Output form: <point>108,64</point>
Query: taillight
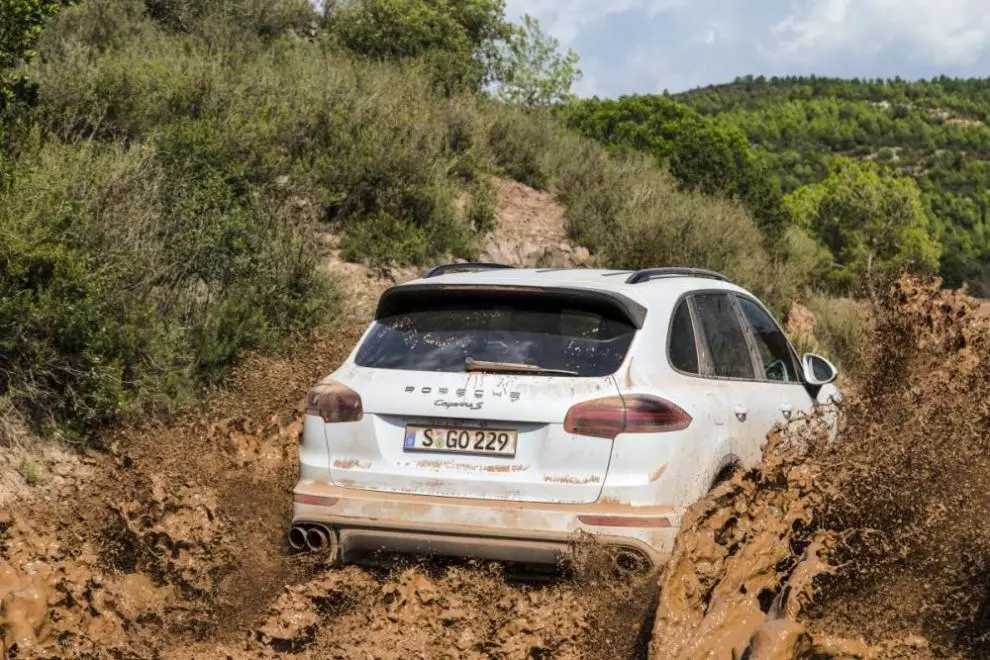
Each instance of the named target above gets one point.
<point>334,403</point>
<point>636,413</point>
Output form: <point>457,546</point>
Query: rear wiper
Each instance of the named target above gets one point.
<point>471,365</point>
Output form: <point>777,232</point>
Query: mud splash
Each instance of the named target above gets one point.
<point>874,545</point>
<point>174,547</point>
<point>23,609</point>
<point>745,560</point>
<point>871,545</point>
<point>913,481</point>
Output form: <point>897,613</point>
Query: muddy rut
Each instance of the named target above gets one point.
<point>873,543</point>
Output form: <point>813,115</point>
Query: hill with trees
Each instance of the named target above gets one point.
<point>935,132</point>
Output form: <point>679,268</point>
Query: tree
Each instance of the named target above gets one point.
<point>872,221</point>
<point>21,22</point>
<point>267,19</point>
<point>531,69</point>
<point>458,37</point>
<point>706,156</point>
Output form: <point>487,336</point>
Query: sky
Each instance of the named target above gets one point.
<point>646,46</point>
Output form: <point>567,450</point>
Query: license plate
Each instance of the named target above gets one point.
<point>480,442</point>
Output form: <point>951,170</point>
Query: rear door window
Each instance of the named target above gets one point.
<point>778,361</point>
<point>724,334</point>
<point>542,331</point>
<point>683,350</point>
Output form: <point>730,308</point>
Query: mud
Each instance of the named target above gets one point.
<point>170,543</point>
<point>913,481</point>
<point>872,545</point>
<point>173,546</point>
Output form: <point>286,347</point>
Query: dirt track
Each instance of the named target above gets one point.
<point>176,548</point>
<point>172,545</point>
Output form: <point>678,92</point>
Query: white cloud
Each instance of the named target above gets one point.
<point>565,19</point>
<point>943,33</point>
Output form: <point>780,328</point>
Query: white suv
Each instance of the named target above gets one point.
<point>495,412</point>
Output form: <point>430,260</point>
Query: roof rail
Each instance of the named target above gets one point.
<point>648,274</point>
<point>436,271</point>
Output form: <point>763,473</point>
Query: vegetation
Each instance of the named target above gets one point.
<point>165,163</point>
<point>466,45</point>
<point>935,132</point>
<point>531,70</point>
<point>872,223</point>
<point>703,155</point>
<point>19,31</point>
<point>165,180</point>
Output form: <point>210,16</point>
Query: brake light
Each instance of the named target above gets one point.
<point>637,413</point>
<point>334,403</point>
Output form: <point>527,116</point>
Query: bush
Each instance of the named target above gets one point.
<point>122,286</point>
<point>361,141</point>
<point>634,215</point>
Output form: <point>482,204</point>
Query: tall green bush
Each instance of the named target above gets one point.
<point>125,284</point>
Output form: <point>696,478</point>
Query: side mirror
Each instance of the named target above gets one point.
<point>817,370</point>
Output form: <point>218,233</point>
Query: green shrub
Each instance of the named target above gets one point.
<point>456,39</point>
<point>361,141</point>
<point>634,215</point>
<point>481,208</point>
<point>121,286</point>
<point>519,142</point>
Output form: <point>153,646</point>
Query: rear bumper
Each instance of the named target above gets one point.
<point>532,533</point>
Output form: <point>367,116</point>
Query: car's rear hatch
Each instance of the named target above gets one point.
<point>451,368</point>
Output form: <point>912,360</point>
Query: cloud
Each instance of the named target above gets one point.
<point>565,19</point>
<point>942,33</point>
<point>643,46</point>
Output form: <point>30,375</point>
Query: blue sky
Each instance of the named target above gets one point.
<point>644,46</point>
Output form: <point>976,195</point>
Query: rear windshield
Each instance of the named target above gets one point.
<point>544,331</point>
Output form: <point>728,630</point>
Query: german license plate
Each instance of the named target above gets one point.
<point>479,442</point>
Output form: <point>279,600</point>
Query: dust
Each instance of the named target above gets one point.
<point>871,543</point>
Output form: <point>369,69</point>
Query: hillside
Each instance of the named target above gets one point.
<point>200,202</point>
<point>934,131</point>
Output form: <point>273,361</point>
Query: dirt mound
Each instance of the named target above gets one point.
<point>529,232</point>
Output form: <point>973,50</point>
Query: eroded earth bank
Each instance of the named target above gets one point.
<point>168,540</point>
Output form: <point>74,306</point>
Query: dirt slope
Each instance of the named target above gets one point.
<point>529,232</point>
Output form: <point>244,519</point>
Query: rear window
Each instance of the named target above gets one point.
<point>541,331</point>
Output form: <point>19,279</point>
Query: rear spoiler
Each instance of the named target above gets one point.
<point>411,296</point>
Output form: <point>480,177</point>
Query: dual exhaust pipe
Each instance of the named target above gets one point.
<point>320,538</point>
<point>315,538</point>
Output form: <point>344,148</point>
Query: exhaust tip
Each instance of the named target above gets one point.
<point>632,561</point>
<point>297,537</point>
<point>317,538</point>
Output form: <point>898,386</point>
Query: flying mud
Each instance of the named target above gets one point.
<point>873,543</point>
